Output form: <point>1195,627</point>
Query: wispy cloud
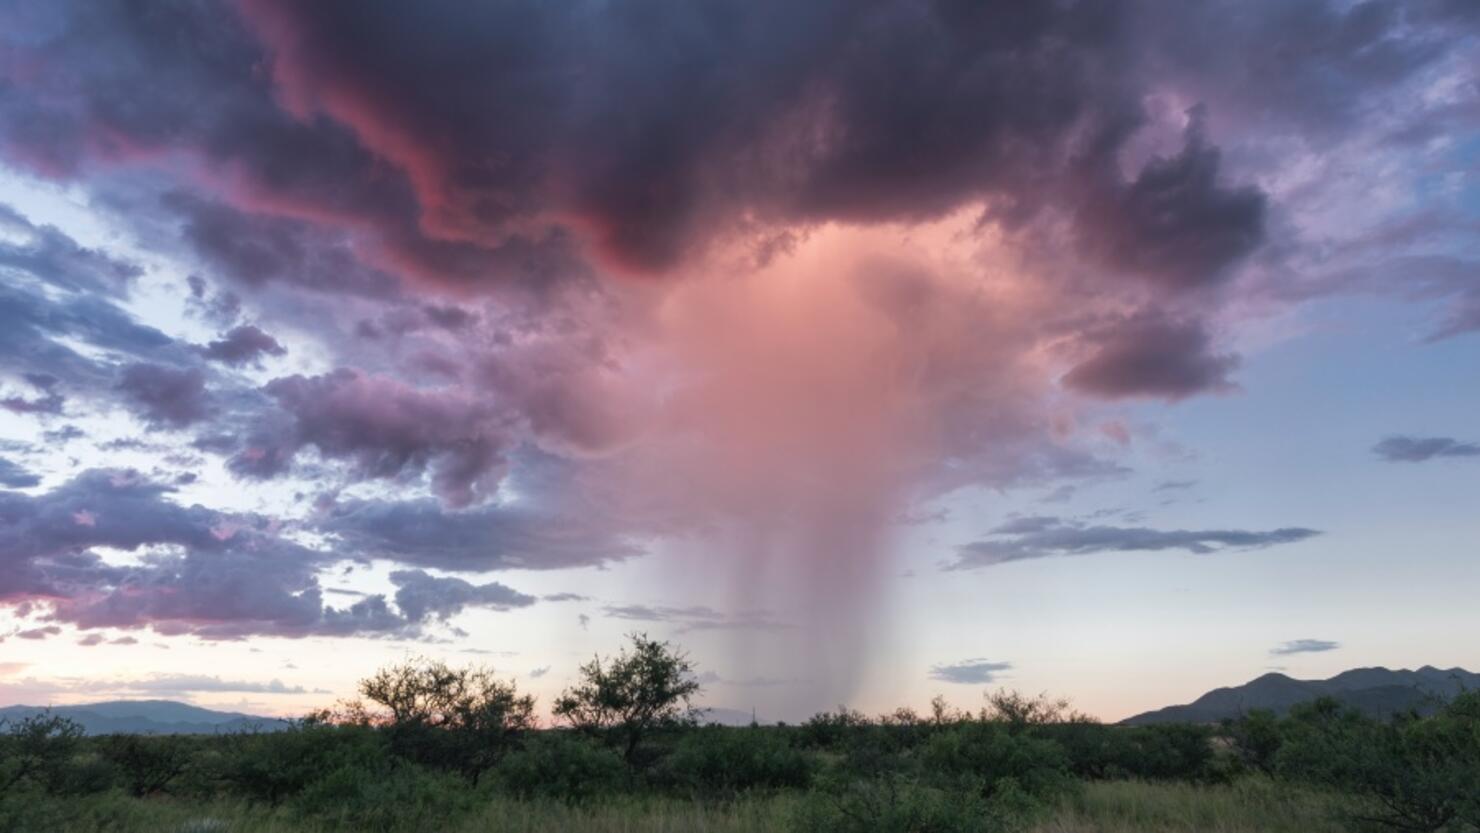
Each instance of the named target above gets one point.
<point>696,617</point>
<point>1043,537</point>
<point>1304,646</point>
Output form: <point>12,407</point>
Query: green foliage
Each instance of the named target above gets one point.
<point>145,764</point>
<point>37,751</point>
<point>558,765</point>
<point>1412,774</point>
<point>723,761</point>
<point>1256,739</point>
<point>995,757</point>
<point>827,729</point>
<point>383,796</point>
<point>649,685</point>
<point>271,767</point>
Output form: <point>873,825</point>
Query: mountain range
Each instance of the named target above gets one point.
<point>1378,692</point>
<point>157,717</point>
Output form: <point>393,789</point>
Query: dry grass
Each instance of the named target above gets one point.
<point>1110,807</point>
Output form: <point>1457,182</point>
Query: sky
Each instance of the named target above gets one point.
<point>866,350</point>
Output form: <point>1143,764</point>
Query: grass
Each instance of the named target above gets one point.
<point>1252,806</point>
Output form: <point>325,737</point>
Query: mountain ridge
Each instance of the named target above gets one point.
<point>149,717</point>
<point>1375,691</point>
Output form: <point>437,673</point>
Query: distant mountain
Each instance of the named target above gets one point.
<point>156,717</point>
<point>1378,692</point>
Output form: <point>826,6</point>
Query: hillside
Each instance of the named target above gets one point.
<point>1377,692</point>
<point>156,717</point>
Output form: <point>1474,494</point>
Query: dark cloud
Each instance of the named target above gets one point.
<point>1175,224</point>
<point>356,118</point>
<point>420,595</point>
<point>1154,357</point>
<point>494,537</point>
<point>1047,537</point>
<point>387,429</point>
<point>970,671</point>
<point>244,345</point>
<point>1304,646</point>
<point>253,251</point>
<point>15,477</point>
<point>215,575</point>
<point>164,396</point>
<point>39,633</point>
<point>1400,449</point>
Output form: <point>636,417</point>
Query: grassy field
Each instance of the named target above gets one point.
<point>1107,807</point>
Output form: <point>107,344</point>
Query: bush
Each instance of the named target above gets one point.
<point>724,760</point>
<point>385,795</point>
<point>461,719</point>
<point>37,752</point>
<point>1413,774</point>
<point>273,766</point>
<point>994,757</point>
<point>649,686</point>
<point>1256,739</point>
<point>825,730</point>
<point>559,765</point>
<point>145,764</point>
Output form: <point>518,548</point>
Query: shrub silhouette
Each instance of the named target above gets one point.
<point>650,685</point>
<point>459,719</point>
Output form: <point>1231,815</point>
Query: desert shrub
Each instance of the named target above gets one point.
<point>1413,773</point>
<point>825,730</point>
<point>270,767</point>
<point>145,764</point>
<point>994,757</point>
<point>559,765</point>
<point>38,752</point>
<point>720,760</point>
<point>459,719</point>
<point>1255,739</point>
<point>384,794</point>
<point>649,686</point>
